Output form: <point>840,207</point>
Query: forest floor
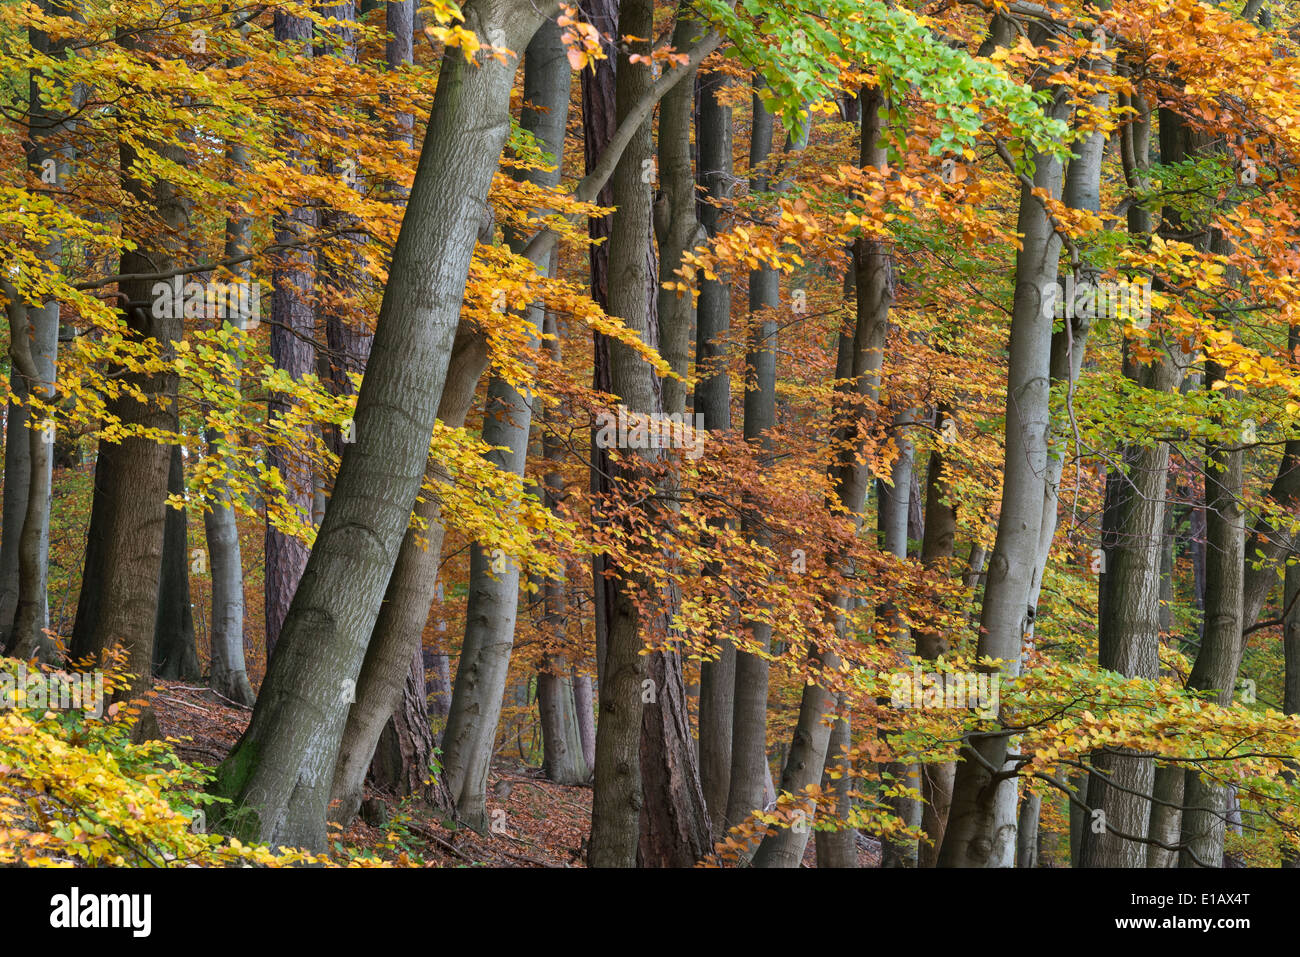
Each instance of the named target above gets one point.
<point>544,824</point>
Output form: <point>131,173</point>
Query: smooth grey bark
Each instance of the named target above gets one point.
<point>690,223</point>
<point>1027,831</point>
<point>1166,816</point>
<point>399,627</point>
<point>749,764</point>
<point>560,697</point>
<point>562,758</point>
<point>34,359</point>
<point>175,654</point>
<point>584,706</point>
<point>293,326</point>
<point>34,339</point>
<point>279,774</point>
<point>404,753</point>
<point>976,835</point>
<point>874,279</point>
<point>838,848</point>
<point>493,603</point>
<point>17,479</point>
<point>229,672</point>
<point>894,506</point>
<point>1205,802</point>
<point>387,725</point>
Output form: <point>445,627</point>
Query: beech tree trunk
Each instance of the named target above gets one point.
<point>977,835</point>
<point>35,349</point>
<point>875,292</point>
<point>493,604</point>
<point>175,655</point>
<point>279,774</point>
<point>381,687</point>
<point>644,758</point>
<point>749,766</point>
<point>229,674</point>
<point>1205,802</point>
<point>124,543</point>
<point>293,327</point>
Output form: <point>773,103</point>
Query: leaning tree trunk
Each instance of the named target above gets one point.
<point>279,774</point>
<point>408,596</point>
<point>493,603</point>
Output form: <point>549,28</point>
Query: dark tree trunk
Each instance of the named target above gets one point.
<point>124,544</point>
<point>174,652</point>
<point>292,330</point>
<point>648,807</point>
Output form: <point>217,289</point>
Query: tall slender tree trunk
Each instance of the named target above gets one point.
<point>174,652</point>
<point>493,603</point>
<point>749,766</point>
<point>293,327</point>
<point>229,673</point>
<point>1205,802</point>
<point>648,805</point>
<point>894,507</point>
<point>128,511</point>
<point>875,293</point>
<point>17,480</point>
<point>560,698</point>
<point>937,544</point>
<point>599,121</point>
<point>382,685</point>
<point>976,834</point>
<point>1027,831</point>
<point>39,349</point>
